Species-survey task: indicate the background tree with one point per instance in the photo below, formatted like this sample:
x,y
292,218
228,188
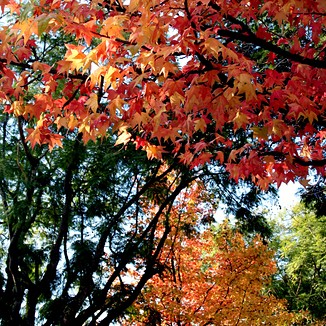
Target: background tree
x,y
302,272
314,196
211,279
76,220
64,214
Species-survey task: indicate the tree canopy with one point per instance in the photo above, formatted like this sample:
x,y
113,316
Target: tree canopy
x,y
124,124
238,82
217,279
301,278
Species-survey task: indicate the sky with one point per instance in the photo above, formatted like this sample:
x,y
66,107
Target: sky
x,y
287,194
287,199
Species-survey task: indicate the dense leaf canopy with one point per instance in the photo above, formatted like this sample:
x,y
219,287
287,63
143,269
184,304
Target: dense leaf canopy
x,y
218,279
239,82
302,274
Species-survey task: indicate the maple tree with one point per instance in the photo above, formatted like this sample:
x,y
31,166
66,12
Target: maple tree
x,y
238,82
210,279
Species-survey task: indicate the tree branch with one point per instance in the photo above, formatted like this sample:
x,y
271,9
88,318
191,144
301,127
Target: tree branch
x,y
297,160
271,47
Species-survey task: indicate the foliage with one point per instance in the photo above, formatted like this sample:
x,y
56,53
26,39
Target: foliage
x,y
314,197
210,90
64,216
302,266
236,82
214,279
75,221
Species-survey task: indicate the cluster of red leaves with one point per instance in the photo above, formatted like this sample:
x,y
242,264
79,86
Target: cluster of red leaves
x,y
175,77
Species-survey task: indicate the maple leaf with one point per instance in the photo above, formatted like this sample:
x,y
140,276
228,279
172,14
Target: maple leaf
x,y
55,140
200,146
124,136
17,108
92,102
154,152
113,26
27,28
202,158
186,158
61,122
3,4
43,67
133,5
200,124
75,56
34,136
220,156
262,32
240,120
260,132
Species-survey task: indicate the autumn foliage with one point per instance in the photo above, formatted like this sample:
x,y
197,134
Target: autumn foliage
x,y
238,82
213,282
208,278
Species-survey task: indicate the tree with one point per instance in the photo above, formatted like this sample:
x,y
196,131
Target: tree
x,y
238,86
237,82
75,221
314,197
302,278
71,222
215,279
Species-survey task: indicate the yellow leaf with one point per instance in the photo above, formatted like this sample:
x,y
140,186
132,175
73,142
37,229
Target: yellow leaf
x,y
200,124
111,76
278,127
167,68
113,26
213,46
73,122
61,122
240,119
305,152
246,86
94,77
139,119
312,116
75,56
154,151
260,132
176,99
124,136
27,28
18,108
216,48
92,102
